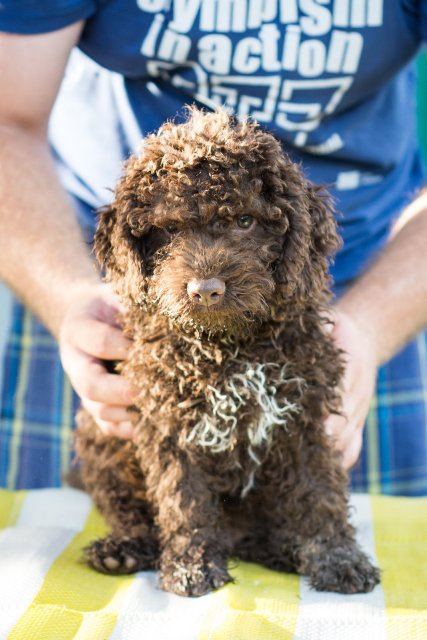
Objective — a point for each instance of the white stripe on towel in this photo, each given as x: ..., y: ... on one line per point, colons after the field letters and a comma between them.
x: 153, y: 614
x: 48, y: 521
x: 67, y: 508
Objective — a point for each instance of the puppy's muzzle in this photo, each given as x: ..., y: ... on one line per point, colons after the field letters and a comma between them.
x: 206, y: 293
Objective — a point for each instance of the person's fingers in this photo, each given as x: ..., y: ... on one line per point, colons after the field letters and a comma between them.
x: 347, y: 437
x: 124, y: 430
x: 109, y: 307
x: 112, y: 421
x: 91, y: 333
x: 108, y: 413
x: 97, y: 338
x: 92, y: 381
x: 352, y: 452
x: 333, y: 424
x: 356, y: 388
x: 101, y: 386
x: 340, y: 429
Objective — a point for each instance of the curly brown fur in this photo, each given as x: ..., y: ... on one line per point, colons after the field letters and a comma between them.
x: 229, y: 456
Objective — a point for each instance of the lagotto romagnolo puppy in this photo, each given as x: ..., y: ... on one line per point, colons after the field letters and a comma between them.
x: 218, y: 248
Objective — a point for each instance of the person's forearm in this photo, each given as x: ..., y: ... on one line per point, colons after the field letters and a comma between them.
x: 390, y: 300
x: 43, y: 257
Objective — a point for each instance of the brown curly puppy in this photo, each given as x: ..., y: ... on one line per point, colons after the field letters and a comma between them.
x: 218, y: 248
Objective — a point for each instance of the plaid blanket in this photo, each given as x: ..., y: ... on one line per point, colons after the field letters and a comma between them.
x: 38, y: 406
x: 47, y: 593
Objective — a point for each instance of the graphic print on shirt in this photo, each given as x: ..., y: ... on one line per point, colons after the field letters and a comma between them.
x: 282, y: 62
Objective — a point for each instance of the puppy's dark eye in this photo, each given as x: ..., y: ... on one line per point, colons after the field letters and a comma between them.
x: 171, y: 228
x: 245, y: 221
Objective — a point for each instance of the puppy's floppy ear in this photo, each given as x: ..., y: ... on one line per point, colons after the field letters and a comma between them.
x: 121, y: 239
x: 122, y: 252
x: 102, y: 240
x: 139, y: 235
x: 324, y: 241
x: 324, y: 229
x: 309, y: 242
x: 123, y: 248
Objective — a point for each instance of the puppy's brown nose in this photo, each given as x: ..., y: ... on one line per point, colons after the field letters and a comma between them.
x: 206, y: 292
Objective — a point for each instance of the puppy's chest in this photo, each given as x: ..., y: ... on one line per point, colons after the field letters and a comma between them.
x: 235, y: 427
x: 244, y: 408
x: 227, y: 404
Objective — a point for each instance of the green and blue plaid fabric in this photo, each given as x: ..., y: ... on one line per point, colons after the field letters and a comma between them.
x: 38, y: 407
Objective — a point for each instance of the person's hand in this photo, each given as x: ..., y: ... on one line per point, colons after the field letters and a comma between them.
x: 357, y: 386
x: 89, y: 335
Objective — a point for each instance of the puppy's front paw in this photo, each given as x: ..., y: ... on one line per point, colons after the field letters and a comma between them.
x: 187, y: 576
x: 118, y: 556
x: 345, y: 570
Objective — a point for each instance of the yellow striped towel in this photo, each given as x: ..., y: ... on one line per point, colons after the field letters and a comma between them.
x: 46, y: 593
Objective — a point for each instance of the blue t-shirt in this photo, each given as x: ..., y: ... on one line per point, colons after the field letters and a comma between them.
x: 333, y: 79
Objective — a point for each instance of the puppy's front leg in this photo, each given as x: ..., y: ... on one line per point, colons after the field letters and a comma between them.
x: 194, y: 549
x: 308, y: 523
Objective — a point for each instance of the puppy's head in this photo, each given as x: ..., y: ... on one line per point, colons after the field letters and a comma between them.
x: 214, y: 227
